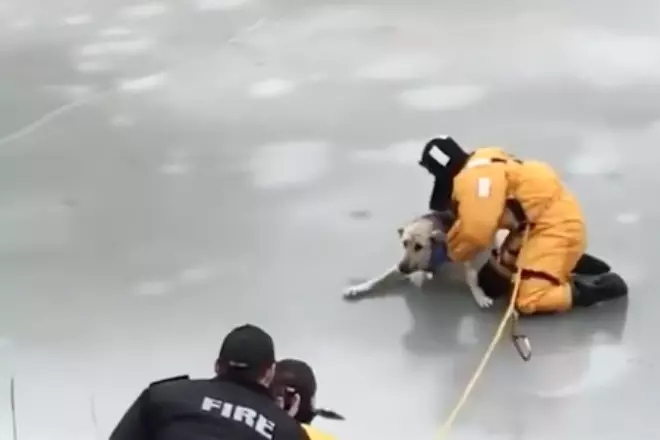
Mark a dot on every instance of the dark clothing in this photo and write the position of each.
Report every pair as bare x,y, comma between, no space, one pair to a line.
206,409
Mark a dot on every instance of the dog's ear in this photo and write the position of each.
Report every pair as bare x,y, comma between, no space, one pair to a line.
437,236
400,232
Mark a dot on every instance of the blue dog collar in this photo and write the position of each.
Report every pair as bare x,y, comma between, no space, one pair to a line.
438,258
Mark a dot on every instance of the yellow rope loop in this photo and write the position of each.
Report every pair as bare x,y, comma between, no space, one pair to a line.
510,314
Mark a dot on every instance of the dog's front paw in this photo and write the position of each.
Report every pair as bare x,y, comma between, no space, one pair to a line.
481,299
356,292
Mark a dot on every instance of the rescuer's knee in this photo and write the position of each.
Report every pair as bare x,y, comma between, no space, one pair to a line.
540,294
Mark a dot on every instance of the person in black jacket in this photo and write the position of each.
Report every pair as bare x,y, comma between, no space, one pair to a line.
234,405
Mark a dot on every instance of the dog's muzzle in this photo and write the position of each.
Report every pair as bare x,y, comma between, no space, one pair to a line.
405,268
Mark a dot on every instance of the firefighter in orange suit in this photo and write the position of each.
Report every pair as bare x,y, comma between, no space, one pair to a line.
488,190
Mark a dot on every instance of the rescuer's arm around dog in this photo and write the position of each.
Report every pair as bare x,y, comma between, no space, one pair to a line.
480,193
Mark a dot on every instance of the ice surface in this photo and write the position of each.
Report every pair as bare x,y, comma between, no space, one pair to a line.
175,201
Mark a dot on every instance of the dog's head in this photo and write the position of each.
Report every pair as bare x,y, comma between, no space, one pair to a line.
419,239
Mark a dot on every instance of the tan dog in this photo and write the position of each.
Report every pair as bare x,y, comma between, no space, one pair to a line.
419,238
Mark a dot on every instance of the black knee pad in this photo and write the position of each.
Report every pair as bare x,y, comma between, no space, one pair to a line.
494,284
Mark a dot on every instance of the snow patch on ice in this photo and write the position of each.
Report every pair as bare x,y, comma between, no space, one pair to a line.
438,98
607,59
289,163
628,218
403,153
73,92
114,32
177,163
23,24
145,10
271,88
92,66
77,20
467,332
195,275
401,67
606,365
144,83
123,121
220,5
5,343
153,288
598,154
126,47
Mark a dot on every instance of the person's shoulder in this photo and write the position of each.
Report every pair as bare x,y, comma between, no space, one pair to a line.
168,383
170,380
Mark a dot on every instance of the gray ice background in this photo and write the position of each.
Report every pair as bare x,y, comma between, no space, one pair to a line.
172,169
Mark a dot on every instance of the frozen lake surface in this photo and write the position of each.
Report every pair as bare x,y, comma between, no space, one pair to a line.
169,170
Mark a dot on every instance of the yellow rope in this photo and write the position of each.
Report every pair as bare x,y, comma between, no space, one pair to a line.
508,315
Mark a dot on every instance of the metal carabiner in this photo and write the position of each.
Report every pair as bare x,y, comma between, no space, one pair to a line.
520,341
523,346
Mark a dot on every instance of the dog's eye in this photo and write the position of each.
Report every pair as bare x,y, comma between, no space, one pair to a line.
418,247
406,243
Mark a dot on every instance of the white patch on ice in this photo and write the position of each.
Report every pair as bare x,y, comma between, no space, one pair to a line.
628,218
271,88
289,163
145,10
92,66
123,121
175,168
317,77
5,343
93,49
177,163
144,83
606,365
220,5
403,153
77,20
467,332
607,59
401,67
127,47
437,98
195,275
74,91
23,24
114,32
597,155
153,288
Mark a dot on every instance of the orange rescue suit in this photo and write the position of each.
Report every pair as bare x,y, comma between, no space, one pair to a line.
557,239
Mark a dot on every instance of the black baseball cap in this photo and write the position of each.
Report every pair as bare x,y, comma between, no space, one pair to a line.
247,348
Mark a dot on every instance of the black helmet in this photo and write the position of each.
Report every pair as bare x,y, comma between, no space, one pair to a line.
293,376
444,159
